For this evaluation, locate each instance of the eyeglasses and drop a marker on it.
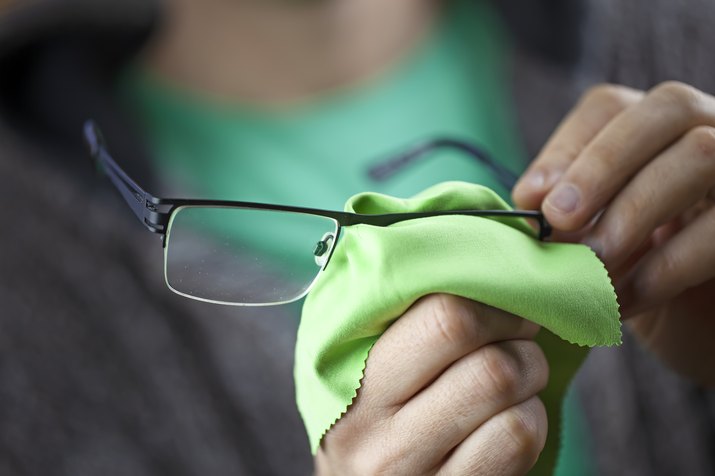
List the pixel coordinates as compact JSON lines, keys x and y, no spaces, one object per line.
{"x":258,"y":254}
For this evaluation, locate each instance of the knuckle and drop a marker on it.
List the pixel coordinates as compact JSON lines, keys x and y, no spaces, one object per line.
{"x":340,"y":437}
{"x":450,"y":319}
{"x":675,"y":93}
{"x":609,"y":96}
{"x":374,"y":459}
{"x":702,"y":139}
{"x":521,"y":427}
{"x":566,"y":151}
{"x":351,"y":453}
{"x":606,"y":156}
{"x":498,"y":371}
{"x":370,"y":465}
{"x":667,"y":267}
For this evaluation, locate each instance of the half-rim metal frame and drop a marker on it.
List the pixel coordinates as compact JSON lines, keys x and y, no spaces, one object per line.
{"x":156,"y":213}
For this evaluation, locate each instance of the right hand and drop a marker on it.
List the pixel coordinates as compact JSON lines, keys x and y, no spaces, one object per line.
{"x":450,"y":388}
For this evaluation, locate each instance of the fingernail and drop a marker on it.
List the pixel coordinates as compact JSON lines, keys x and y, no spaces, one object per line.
{"x":564,"y":198}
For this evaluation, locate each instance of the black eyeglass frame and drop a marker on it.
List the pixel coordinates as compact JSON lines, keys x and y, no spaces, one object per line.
{"x":155,"y":212}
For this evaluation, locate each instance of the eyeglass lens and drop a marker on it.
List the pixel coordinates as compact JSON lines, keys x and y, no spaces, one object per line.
{"x":245,"y":256}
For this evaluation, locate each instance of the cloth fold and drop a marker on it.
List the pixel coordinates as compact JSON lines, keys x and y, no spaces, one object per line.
{"x":376,"y":273}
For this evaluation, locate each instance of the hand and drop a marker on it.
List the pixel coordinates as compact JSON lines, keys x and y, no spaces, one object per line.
{"x":450,"y":388}
{"x":632,"y":175}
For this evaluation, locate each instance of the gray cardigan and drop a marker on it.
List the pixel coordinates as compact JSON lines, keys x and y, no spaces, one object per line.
{"x":103,"y":371}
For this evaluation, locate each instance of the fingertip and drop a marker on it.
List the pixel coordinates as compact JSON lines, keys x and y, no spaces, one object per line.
{"x":563,"y":207}
{"x":529,"y":190}
{"x":525,"y":199}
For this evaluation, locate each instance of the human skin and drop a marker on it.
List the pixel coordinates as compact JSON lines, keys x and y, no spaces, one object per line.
{"x":632,"y":174}
{"x":450,"y":388}
{"x":644,"y":158}
{"x":279,"y":53}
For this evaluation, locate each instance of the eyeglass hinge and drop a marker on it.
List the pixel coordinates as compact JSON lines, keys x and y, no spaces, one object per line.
{"x":154,"y":220}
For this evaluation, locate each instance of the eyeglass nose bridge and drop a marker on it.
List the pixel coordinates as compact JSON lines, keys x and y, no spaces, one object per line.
{"x":323,"y":248}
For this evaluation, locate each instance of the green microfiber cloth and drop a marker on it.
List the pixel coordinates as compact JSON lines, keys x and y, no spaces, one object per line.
{"x":376,"y":273}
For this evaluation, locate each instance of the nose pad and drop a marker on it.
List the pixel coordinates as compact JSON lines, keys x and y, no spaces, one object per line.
{"x":322,"y":249}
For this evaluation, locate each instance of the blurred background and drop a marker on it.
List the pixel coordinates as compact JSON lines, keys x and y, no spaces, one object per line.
{"x":103,"y":370}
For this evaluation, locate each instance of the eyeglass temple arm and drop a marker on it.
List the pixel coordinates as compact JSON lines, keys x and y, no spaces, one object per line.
{"x":143,"y":204}
{"x":392,"y":165}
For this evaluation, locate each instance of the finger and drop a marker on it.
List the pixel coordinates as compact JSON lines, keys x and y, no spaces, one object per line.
{"x":508,"y":444}
{"x":435,"y":332}
{"x":471,"y":391}
{"x":596,"y":109}
{"x":628,"y":142}
{"x":684,"y":261}
{"x":649,"y":201}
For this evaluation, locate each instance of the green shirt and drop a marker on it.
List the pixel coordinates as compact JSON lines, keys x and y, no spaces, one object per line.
{"x":317,"y":154}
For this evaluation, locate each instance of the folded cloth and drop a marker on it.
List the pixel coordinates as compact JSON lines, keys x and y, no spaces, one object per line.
{"x":376,"y":273}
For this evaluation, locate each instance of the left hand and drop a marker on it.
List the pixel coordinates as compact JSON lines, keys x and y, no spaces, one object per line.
{"x":632,"y":175}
